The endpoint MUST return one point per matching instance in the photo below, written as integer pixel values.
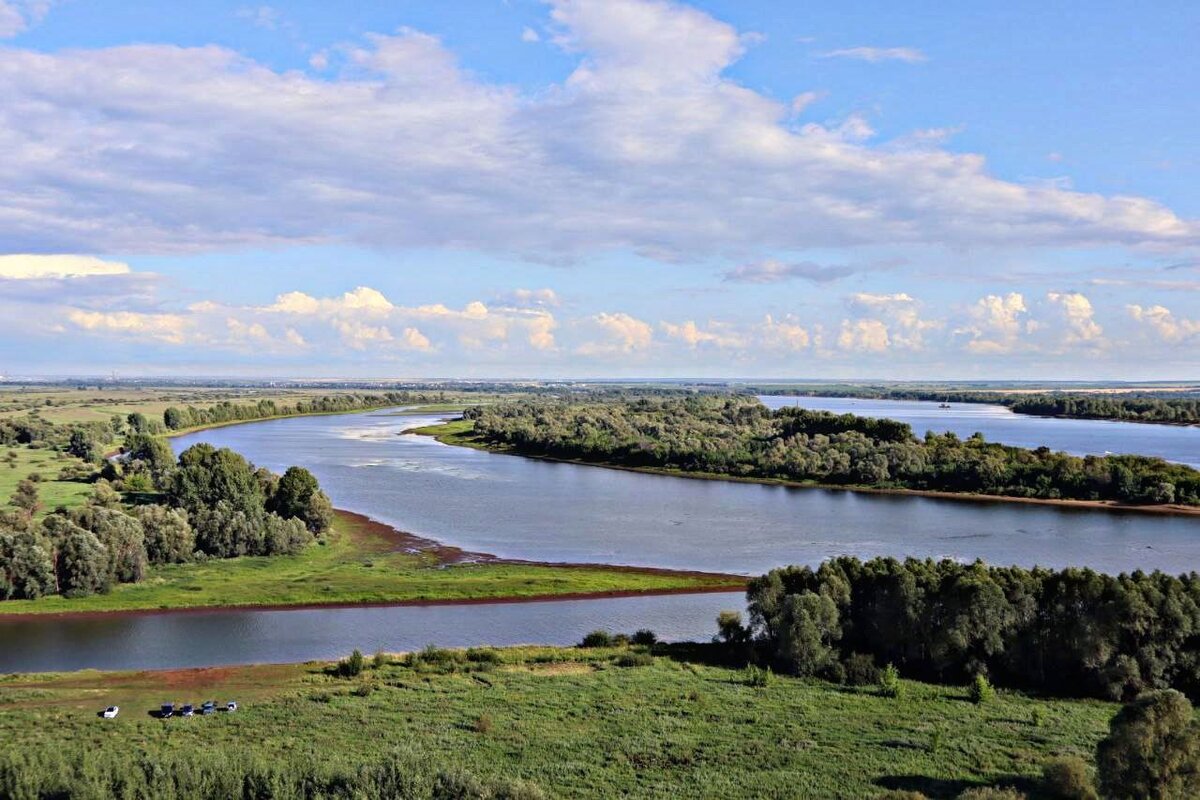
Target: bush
(889, 682)
(352, 666)
(483, 723)
(645, 638)
(756, 676)
(860, 670)
(483, 655)
(380, 660)
(364, 690)
(635, 660)
(1068, 778)
(597, 639)
(981, 689)
(1152, 750)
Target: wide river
(525, 508)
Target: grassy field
(48, 464)
(578, 725)
(361, 562)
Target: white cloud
(864, 335)
(29, 267)
(621, 334)
(1163, 323)
(774, 271)
(530, 298)
(1080, 317)
(717, 334)
(265, 17)
(18, 16)
(170, 328)
(128, 149)
(996, 323)
(785, 334)
(874, 55)
(802, 101)
(530, 35)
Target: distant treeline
(227, 773)
(177, 418)
(217, 505)
(1068, 632)
(1139, 408)
(739, 436)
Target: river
(524, 508)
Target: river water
(524, 508)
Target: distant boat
(944, 405)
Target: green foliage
(597, 639)
(860, 670)
(168, 535)
(353, 665)
(1152, 751)
(634, 660)
(644, 638)
(889, 682)
(299, 496)
(948, 621)
(981, 689)
(1068, 778)
(756, 676)
(739, 436)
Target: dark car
(167, 711)
(187, 711)
(209, 707)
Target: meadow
(360, 562)
(52, 492)
(574, 722)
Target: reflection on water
(200, 639)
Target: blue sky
(600, 188)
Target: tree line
(212, 504)
(178, 418)
(1069, 632)
(739, 436)
(1140, 407)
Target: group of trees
(217, 505)
(177, 418)
(1067, 632)
(741, 437)
(1143, 406)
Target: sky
(600, 188)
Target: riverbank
(459, 433)
(366, 563)
(572, 721)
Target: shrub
(981, 689)
(352, 666)
(483, 655)
(1068, 778)
(380, 660)
(1037, 716)
(889, 682)
(483, 723)
(620, 640)
(1152, 750)
(645, 638)
(756, 676)
(860, 670)
(635, 660)
(364, 690)
(597, 639)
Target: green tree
(207, 476)
(168, 535)
(153, 452)
(123, 540)
(298, 495)
(83, 446)
(807, 631)
(1152, 751)
(26, 571)
(81, 564)
(25, 498)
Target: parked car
(209, 707)
(231, 706)
(167, 711)
(111, 712)
(187, 711)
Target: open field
(577, 724)
(362, 562)
(48, 464)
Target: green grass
(456, 431)
(580, 726)
(48, 463)
(358, 564)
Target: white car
(110, 712)
(231, 706)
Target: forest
(738, 436)
(1071, 632)
(209, 504)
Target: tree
(168, 535)
(83, 446)
(81, 564)
(123, 540)
(1152, 751)
(807, 630)
(298, 495)
(153, 451)
(207, 476)
(25, 568)
(25, 497)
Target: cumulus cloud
(530, 298)
(1080, 317)
(17, 16)
(895, 321)
(130, 149)
(865, 335)
(997, 322)
(619, 333)
(874, 55)
(1164, 323)
(171, 328)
